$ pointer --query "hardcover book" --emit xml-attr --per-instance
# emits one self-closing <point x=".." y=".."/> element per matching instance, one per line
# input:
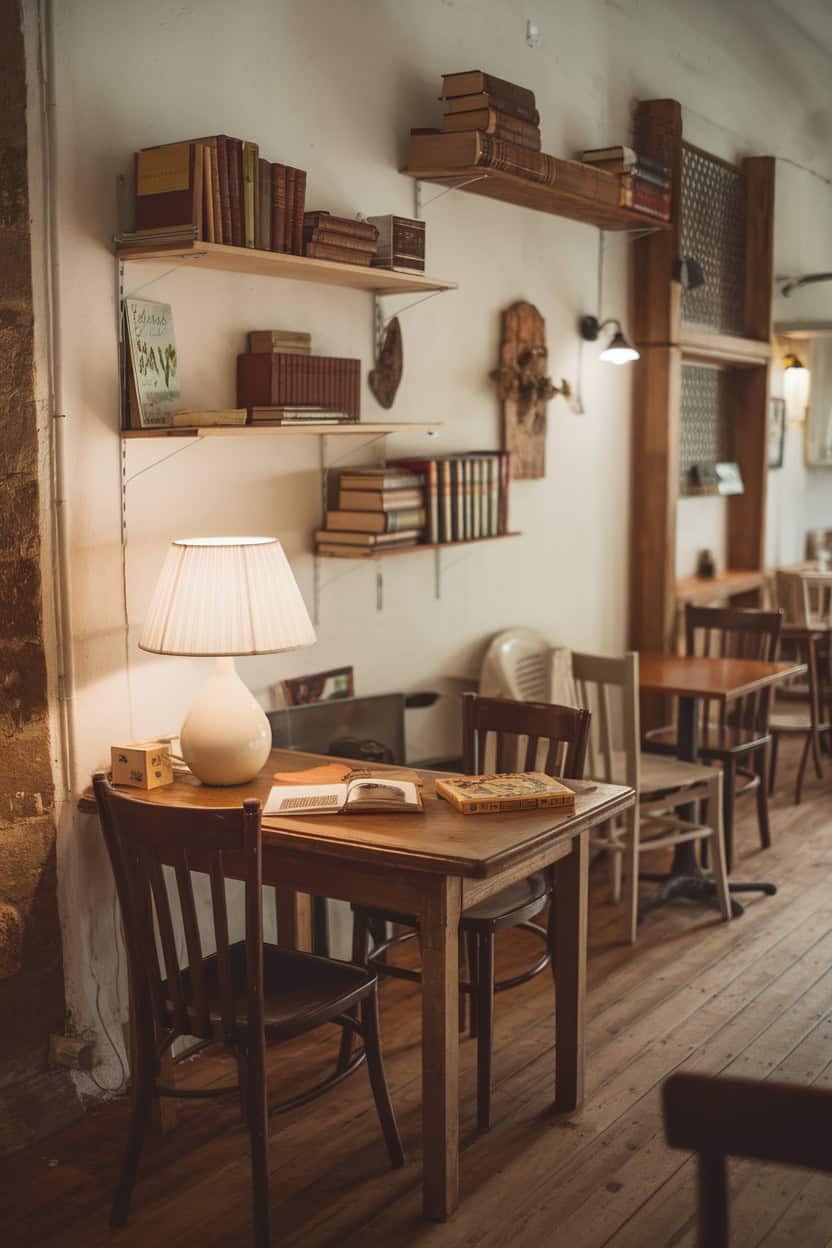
<point x="482" y="99"/>
<point x="360" y="793"/>
<point x="490" y="121"/>
<point x="153" y="362"/>
<point x="502" y="791"/>
<point x="169" y="187"/>
<point x="476" y="81"/>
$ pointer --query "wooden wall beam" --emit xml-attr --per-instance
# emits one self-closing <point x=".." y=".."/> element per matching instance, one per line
<point x="759" y="245"/>
<point x="748" y="397"/>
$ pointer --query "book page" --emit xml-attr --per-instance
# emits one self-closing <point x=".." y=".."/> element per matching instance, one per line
<point x="285" y="799"/>
<point x="369" y="790"/>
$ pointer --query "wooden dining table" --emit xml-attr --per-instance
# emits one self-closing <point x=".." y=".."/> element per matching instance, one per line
<point x="690" y="679"/>
<point x="433" y="865"/>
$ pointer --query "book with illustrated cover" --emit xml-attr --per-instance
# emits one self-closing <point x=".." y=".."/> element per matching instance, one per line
<point x="489" y="794"/>
<point x="360" y="792"/>
<point x="154" y="365"/>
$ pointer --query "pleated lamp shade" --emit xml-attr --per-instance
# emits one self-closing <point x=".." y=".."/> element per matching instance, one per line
<point x="226" y="596"/>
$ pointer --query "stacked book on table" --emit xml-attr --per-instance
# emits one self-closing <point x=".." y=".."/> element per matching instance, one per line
<point x="370" y="509"/>
<point x="454" y="498"/>
<point x="216" y="189"/>
<point x="280" y="381"/>
<point x="644" y="183"/>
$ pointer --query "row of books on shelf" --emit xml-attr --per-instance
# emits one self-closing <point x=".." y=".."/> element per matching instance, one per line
<point x="221" y="190"/>
<point x="279" y="373"/>
<point x="453" y="498"/>
<point x="491" y="123"/>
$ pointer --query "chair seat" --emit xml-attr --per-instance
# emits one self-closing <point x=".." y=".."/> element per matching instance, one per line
<point x="300" y="990"/>
<point x="794" y="719"/>
<point x="718" y="742"/>
<point x="659" y="775"/>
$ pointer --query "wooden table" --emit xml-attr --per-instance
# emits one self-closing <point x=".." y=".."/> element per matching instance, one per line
<point x="690" y="679"/>
<point x="434" y="865"/>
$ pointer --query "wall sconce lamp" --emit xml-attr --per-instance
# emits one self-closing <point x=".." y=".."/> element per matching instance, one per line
<point x="618" y="350"/>
<point x="790" y="360"/>
<point x="795" y="388"/>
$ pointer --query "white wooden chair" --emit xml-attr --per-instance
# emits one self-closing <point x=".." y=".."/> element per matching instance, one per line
<point x="662" y="783"/>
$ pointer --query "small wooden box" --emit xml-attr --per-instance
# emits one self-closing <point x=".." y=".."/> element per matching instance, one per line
<point x="143" y="765"/>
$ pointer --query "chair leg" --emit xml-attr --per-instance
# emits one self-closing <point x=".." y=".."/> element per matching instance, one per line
<point x="378" y="1082"/>
<point x="360" y="952"/>
<point x="633" y="826"/>
<point x="762" y="797"/>
<point x="729" y="785"/>
<point x="242" y="1080"/>
<point x="717" y="844"/>
<point x="485" y="1028"/>
<point x="772" y="762"/>
<point x="142" y="1104"/>
<point x="258" y="1129"/>
<point x="473" y="963"/>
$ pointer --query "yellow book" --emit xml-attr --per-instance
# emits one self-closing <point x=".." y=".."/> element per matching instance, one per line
<point x="530" y="790"/>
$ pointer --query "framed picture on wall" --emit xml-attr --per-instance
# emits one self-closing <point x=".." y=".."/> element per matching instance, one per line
<point x="776" y="432"/>
<point x="319" y="687"/>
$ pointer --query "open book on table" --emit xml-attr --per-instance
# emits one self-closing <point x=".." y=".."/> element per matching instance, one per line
<point x="360" y="792"/>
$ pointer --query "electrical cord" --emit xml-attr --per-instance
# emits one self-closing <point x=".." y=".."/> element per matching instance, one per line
<point x="123" y="1082"/>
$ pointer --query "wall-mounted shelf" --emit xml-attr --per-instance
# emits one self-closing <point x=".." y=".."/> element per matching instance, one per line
<point x="296" y="268"/>
<point x="409" y="550"/>
<point x="353" y="429"/>
<point x="706" y="347"/>
<point x="580" y="193"/>
<point x="728" y="584"/>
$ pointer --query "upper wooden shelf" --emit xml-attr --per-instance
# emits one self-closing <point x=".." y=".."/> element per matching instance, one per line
<point x="576" y="196"/>
<point x="295" y="268"/>
<point x="705" y="347"/>
<point x="262" y="430"/>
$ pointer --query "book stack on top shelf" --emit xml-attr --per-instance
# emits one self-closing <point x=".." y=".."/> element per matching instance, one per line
<point x="478" y="101"/>
<point x="326" y="237"/>
<point x="279" y="381"/>
<point x="644" y="183"/>
<point x="370" y="509"/>
<point x="217" y="190"/>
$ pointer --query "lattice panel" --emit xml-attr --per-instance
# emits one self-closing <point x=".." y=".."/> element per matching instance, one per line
<point x="713" y="232"/>
<point x="704" y="431"/>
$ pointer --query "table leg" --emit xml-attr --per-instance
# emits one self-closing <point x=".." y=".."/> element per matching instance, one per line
<point x="439" y="926"/>
<point x="294" y="918"/>
<point x="571" y="907"/>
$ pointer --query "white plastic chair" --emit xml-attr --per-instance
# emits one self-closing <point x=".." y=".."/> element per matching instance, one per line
<point x="517" y="665"/>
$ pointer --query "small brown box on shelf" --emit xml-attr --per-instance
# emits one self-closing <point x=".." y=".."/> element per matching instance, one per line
<point x="142" y="765"/>
<point x="401" y="243"/>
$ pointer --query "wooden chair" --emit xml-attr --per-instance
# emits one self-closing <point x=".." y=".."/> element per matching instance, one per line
<point x="608" y="688"/>
<point x="247" y="994"/>
<point x="739" y="731"/>
<point x="805" y="711"/>
<point x="816" y="541"/>
<point x="718" y="1117"/>
<point x="528" y="736"/>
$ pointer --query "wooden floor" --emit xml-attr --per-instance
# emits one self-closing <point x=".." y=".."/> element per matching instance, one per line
<point x="753" y="997"/>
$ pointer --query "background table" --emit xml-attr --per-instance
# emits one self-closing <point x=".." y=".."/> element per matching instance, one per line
<point x="433" y="865"/>
<point x="690" y="679"/>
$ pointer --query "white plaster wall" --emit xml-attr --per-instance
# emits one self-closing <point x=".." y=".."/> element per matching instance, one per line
<point x="333" y="87"/>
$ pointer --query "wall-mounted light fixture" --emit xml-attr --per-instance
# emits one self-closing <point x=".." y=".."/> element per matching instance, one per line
<point x="795" y="388"/>
<point x="618" y="350"/>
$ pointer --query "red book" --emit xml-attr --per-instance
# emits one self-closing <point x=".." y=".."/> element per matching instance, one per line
<point x="225" y="197"/>
<point x="289" y="219"/>
<point x="235" y="189"/>
<point x="299" y="204"/>
<point x="278" y="206"/>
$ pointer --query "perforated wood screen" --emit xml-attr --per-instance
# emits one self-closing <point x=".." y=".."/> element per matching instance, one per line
<point x="713" y="232"/>
<point x="704" y="432"/>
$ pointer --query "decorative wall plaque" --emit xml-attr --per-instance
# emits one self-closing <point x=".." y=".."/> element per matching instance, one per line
<point x="524" y="387"/>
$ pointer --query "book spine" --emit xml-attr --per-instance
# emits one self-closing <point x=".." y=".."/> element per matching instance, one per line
<point x="501" y="103"/>
<point x="300" y="201"/>
<point x="361" y="245"/>
<point x="410" y="518"/>
<point x="432" y="500"/>
<point x="264" y="201"/>
<point x="341" y="225"/>
<point x="225" y="193"/>
<point x="278" y="205"/>
<point x="474" y="466"/>
<point x="510" y="157"/>
<point x="235" y="189"/>
<point x="248" y="194"/>
<point x="497" y="805"/>
<point x="289" y="218"/>
<point x="215" y="188"/>
<point x="532" y="142"/>
<point x="346" y="255"/>
<point x="489" y="85"/>
<point x="207" y="194"/>
<point x="446" y="528"/>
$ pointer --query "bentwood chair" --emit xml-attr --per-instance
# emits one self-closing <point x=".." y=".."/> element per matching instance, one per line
<point x="718" y="1117"/>
<point x="527" y="736"/>
<point x="608" y="688"/>
<point x="736" y="733"/>
<point x="246" y="994"/>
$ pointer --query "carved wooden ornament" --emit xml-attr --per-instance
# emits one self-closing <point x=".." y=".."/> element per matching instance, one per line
<point x="525" y="388"/>
<point x="385" y="377"/>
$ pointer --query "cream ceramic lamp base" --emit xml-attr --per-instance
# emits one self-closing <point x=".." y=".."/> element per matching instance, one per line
<point x="226" y="737"/>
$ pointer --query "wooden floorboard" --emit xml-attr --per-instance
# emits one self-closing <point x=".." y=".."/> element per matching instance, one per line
<point x="750" y="998"/>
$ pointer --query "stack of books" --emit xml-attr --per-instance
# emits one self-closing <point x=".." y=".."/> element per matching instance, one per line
<point x="466" y="496"/>
<point x="326" y="237"/>
<point x="280" y="382"/>
<point x="479" y="101"/>
<point x="216" y="189"/>
<point x="644" y="183"/>
<point x="370" y="509"/>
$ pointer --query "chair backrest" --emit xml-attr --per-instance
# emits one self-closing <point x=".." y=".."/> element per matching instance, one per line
<point x="142" y="839"/>
<point x="555" y="737"/>
<point x="608" y="688"/>
<point x="792" y="597"/>
<point x="719" y="1117"/>
<point x="817" y="540"/>
<point x="734" y="633"/>
<point x="516" y="665"/>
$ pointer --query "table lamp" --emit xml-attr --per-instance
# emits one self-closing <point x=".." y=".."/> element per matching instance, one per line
<point x="219" y="597"/>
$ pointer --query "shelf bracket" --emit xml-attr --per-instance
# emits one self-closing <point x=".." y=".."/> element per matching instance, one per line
<point x="380" y="322"/>
<point x="420" y="203"/>
<point x="379" y="589"/>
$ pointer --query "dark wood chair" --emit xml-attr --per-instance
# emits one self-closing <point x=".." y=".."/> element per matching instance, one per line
<point x="560" y="735"/>
<point x="739" y="731"/>
<point x="247" y="994"/>
<point x="721" y="1117"/>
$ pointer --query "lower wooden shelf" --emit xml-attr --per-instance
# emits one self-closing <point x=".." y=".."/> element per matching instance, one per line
<point x="409" y="550"/>
<point x="262" y="430"/>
